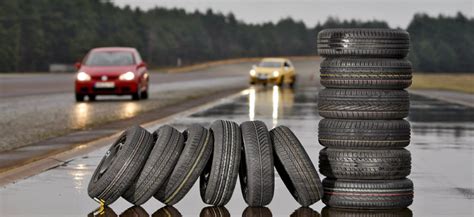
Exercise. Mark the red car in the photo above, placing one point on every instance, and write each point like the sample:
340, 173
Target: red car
112, 71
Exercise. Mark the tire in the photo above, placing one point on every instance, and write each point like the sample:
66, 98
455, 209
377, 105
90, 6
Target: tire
365, 164
366, 104
193, 159
214, 211
257, 176
305, 212
134, 211
136, 96
144, 94
386, 43
103, 212
257, 212
337, 212
295, 167
364, 134
161, 161
167, 211
293, 82
366, 73
368, 194
121, 164
92, 97
218, 179
79, 97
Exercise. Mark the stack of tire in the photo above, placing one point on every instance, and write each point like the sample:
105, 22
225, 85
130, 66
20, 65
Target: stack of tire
165, 164
364, 105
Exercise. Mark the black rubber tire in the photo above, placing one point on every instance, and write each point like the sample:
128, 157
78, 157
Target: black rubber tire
257, 176
169, 143
92, 97
214, 211
136, 96
257, 212
386, 43
366, 73
194, 157
364, 134
167, 211
122, 163
305, 212
337, 212
144, 94
218, 179
295, 167
105, 212
366, 104
79, 97
134, 211
293, 81
368, 194
364, 164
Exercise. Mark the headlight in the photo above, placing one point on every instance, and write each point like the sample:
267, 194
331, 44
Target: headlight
128, 76
82, 76
253, 72
276, 73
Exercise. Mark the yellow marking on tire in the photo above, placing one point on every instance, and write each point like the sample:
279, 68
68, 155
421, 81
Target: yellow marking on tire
190, 171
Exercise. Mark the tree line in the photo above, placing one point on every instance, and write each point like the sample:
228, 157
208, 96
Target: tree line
36, 33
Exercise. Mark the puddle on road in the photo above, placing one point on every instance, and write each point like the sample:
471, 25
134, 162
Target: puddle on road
441, 150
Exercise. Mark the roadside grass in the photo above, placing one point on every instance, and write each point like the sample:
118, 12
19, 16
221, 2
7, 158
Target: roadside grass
461, 82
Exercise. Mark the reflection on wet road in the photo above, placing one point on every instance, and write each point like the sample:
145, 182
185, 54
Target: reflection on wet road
441, 148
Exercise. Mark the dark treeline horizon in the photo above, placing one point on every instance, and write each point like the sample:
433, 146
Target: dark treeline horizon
37, 33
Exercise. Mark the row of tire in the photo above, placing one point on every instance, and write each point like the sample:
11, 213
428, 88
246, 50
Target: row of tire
167, 163
220, 211
364, 134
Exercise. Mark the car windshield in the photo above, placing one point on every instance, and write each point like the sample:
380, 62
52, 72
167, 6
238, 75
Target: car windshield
110, 58
269, 64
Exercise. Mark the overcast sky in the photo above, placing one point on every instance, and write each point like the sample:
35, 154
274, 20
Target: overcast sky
396, 13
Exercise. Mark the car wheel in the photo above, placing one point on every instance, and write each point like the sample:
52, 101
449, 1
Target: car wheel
194, 157
79, 97
293, 82
144, 94
136, 96
295, 167
365, 164
257, 178
218, 179
368, 194
366, 104
92, 97
160, 163
121, 164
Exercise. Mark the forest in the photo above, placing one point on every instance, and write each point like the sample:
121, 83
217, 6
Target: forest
37, 33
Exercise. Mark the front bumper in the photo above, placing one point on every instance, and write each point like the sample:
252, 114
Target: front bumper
119, 88
257, 80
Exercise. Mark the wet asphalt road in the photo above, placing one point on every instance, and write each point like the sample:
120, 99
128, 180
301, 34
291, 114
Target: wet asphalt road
441, 148
35, 107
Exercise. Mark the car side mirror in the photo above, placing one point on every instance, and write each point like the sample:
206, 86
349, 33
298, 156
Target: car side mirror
140, 65
77, 65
